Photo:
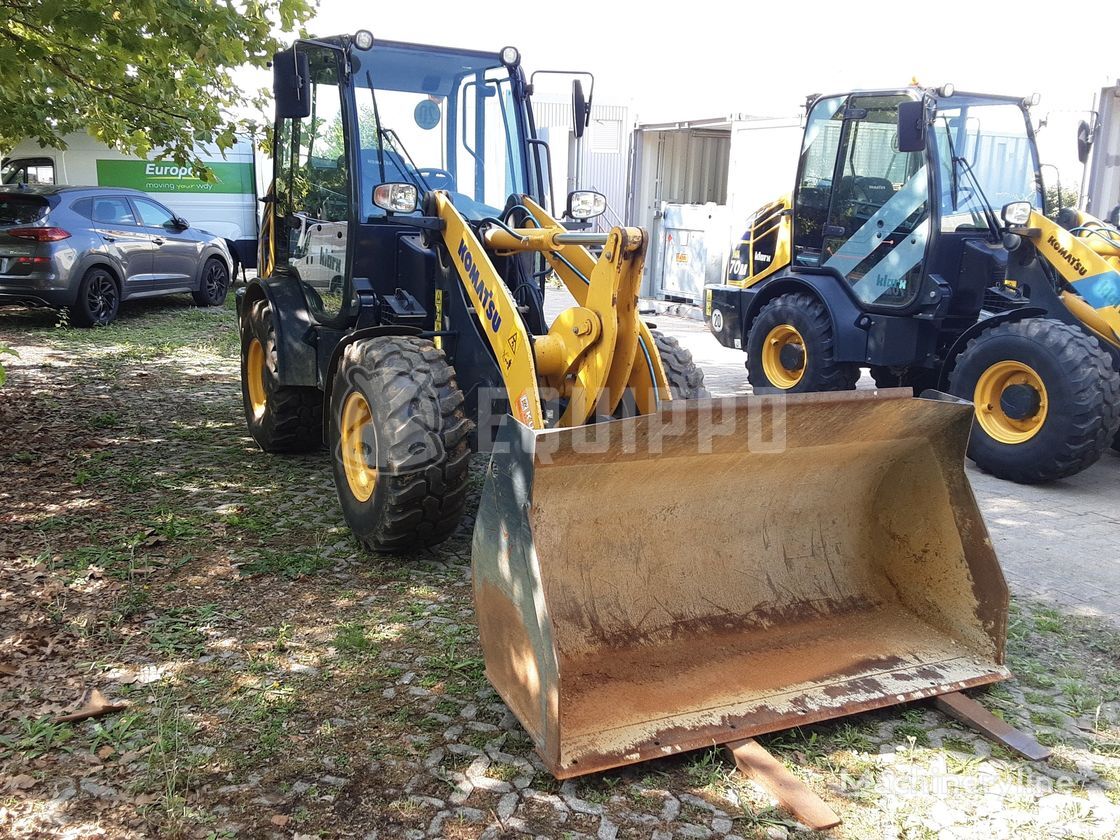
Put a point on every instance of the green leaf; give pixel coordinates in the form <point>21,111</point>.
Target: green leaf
<point>137,75</point>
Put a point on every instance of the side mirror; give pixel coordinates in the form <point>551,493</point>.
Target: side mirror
<point>291,85</point>
<point>1084,141</point>
<point>396,198</point>
<point>912,126</point>
<point>1017,213</point>
<point>179,223</point>
<point>581,108</point>
<point>586,204</point>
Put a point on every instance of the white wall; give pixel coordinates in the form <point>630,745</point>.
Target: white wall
<point>764,155</point>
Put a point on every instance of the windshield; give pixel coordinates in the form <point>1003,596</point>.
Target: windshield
<point>442,120</point>
<point>993,139</point>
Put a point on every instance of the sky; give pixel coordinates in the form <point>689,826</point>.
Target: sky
<point>692,60</point>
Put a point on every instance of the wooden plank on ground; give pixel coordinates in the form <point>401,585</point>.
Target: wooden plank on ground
<point>960,707</point>
<point>754,761</point>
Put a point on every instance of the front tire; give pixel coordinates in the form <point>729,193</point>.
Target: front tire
<point>215,284</point>
<point>1047,399</point>
<point>281,418</point>
<point>686,379</point>
<point>791,348</point>
<point>399,443</point>
<point>98,301</point>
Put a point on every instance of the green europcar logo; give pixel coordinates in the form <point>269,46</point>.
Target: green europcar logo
<point>169,177</point>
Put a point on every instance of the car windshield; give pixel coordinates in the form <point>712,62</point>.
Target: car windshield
<point>992,138</point>
<point>439,119</point>
<point>21,209</point>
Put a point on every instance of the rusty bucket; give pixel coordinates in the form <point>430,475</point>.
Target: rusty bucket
<point>728,568</point>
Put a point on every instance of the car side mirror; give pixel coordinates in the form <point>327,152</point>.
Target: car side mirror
<point>912,126</point>
<point>291,84</point>
<point>179,223</point>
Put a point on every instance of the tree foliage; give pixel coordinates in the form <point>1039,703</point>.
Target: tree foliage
<point>137,74</point>
<point>1059,196</point>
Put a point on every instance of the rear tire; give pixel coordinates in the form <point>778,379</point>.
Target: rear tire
<point>1069,421</point>
<point>215,284</point>
<point>791,348</point>
<point>281,418</point>
<point>686,378</point>
<point>399,443</point>
<point>98,301</point>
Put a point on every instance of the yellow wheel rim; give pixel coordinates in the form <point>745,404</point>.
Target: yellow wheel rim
<point>356,430</point>
<point>991,411</point>
<point>777,373</point>
<point>254,376</point>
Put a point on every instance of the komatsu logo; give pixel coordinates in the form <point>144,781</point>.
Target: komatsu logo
<point>761,257</point>
<point>485,297</point>
<point>1066,255</point>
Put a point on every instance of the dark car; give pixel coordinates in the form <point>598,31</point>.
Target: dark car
<point>90,248</point>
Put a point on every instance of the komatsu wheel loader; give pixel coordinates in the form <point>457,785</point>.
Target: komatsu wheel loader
<point>629,606</point>
<point>892,253</point>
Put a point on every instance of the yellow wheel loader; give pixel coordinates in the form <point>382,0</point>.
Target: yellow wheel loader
<point>892,253</point>
<point>629,604</point>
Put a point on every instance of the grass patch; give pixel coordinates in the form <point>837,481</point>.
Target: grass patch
<point>178,631</point>
<point>352,638</point>
<point>287,564</point>
<point>36,737</point>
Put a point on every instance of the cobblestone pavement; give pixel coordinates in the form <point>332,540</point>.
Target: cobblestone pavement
<point>283,684</point>
<point>1059,543</point>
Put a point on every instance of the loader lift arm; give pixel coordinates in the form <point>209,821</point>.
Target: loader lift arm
<point>588,356</point>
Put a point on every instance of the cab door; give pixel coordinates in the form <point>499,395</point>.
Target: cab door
<point>312,190</point>
<point>878,221</point>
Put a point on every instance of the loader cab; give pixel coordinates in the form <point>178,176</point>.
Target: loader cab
<point>884,214</point>
<point>354,115</point>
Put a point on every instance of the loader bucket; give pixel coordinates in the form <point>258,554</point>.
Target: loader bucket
<point>667,582</point>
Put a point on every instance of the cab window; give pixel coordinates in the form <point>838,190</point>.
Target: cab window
<point>814,187</point>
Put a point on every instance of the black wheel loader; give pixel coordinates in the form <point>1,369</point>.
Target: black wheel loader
<point>914,244</point>
<point>627,606</point>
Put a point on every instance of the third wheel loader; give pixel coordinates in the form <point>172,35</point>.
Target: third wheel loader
<point>914,243</point>
<point>629,605</point>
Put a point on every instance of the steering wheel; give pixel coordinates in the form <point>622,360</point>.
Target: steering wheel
<point>435,176</point>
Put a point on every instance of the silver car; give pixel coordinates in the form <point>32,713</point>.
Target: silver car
<point>90,248</point>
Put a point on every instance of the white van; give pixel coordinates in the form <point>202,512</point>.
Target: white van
<point>226,208</point>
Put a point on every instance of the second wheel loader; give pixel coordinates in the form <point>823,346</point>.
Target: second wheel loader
<point>628,605</point>
<point>914,244</point>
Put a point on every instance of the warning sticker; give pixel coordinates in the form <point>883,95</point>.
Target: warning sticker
<point>524,410</point>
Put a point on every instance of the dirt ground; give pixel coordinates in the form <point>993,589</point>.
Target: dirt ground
<point>277,682</point>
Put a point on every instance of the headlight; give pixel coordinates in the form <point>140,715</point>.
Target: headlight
<point>396,198</point>
<point>510,56</point>
<point>363,39</point>
<point>1017,213</point>
<point>586,204</point>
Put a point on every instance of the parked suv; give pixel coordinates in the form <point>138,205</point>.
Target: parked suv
<point>90,248</point>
